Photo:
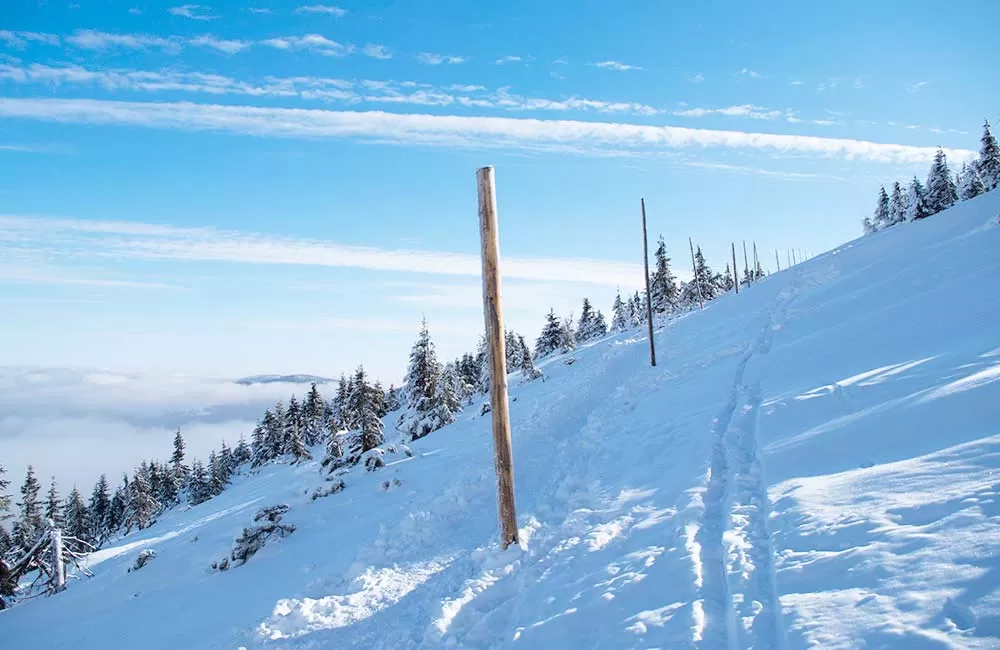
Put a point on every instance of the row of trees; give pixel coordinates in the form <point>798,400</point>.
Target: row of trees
<point>942,189</point>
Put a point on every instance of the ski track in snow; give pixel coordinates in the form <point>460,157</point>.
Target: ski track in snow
<point>740,608</point>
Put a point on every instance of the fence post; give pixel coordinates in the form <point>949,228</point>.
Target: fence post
<point>736,277</point>
<point>649,298</point>
<point>503,455</point>
<point>776,260</point>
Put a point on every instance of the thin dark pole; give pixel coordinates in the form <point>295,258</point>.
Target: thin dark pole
<point>694,271</point>
<point>746,264</point>
<point>649,304</point>
<point>736,279</point>
<point>776,260</point>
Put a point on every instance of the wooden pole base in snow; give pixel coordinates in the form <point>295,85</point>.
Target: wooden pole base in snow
<point>503,455</point>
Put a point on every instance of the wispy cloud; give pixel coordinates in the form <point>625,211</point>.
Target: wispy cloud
<point>858,83</point>
<point>90,39</point>
<point>229,46</point>
<point>917,86</point>
<point>259,10</point>
<point>117,240</point>
<point>561,61</point>
<point>437,59</point>
<point>743,110</point>
<point>697,79</point>
<point>329,10</point>
<point>616,65</point>
<point>21,39</point>
<point>597,138</point>
<point>311,42</point>
<point>508,59</point>
<point>376,51</point>
<point>798,82</point>
<point>194,12</point>
<point>750,74</point>
<point>829,84</point>
<point>135,11</point>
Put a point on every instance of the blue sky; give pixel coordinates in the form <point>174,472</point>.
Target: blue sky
<point>236,188</point>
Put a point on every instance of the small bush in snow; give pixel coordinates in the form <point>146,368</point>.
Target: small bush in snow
<point>253,539</point>
<point>142,559</point>
<point>333,488</point>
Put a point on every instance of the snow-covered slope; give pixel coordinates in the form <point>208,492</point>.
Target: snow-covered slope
<point>813,463</point>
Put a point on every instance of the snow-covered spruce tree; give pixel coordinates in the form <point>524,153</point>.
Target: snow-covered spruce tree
<point>970,183</point>
<point>727,280</point>
<point>866,225</point>
<point>393,401</point>
<point>119,504</point>
<point>916,201</point>
<point>423,413</point>
<point>29,525</point>
<point>638,309</point>
<point>988,164</point>
<point>53,507</point>
<point>600,325</point>
<point>703,277</point>
<point>242,454</point>
<point>293,421</point>
<point>527,366</point>
<point>550,339</point>
<point>334,458</point>
<point>663,285</point>
<point>880,217</point>
<point>511,350</point>
<point>98,511</point>
<point>216,482</point>
<point>567,337</point>
<point>897,205</point>
<point>4,496</point>
<point>76,520</point>
<point>274,427</point>
<point>297,447</point>
<point>261,449</point>
<point>941,191</point>
<point>177,462</point>
<point>142,507</point>
<point>163,485</point>
<point>620,314</point>
<point>585,326</point>
<point>312,417</point>
<point>200,485</point>
<point>367,425</point>
<point>448,399</point>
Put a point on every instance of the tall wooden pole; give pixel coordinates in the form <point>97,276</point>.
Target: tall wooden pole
<point>649,298</point>
<point>736,278</point>
<point>503,455</point>
<point>776,260</point>
<point>694,271</point>
<point>793,257</point>
<point>756,262</point>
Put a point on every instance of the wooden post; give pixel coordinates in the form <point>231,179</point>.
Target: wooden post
<point>503,455</point>
<point>776,260</point>
<point>793,257</point>
<point>756,262</point>
<point>694,271</point>
<point>736,277</point>
<point>649,298</point>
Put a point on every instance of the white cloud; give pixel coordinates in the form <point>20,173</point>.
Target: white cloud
<point>752,74</point>
<point>376,51</point>
<point>797,82</point>
<point>917,86</point>
<point>223,45</point>
<point>259,10</point>
<point>192,11</point>
<point>437,59</point>
<point>329,10</point>
<point>829,84</point>
<point>616,65</point>
<point>698,78</point>
<point>90,39</point>
<point>743,110</point>
<point>858,83</point>
<point>311,42</point>
<point>561,61</point>
<point>507,59</point>
<point>598,138</point>
<point>122,240</point>
<point>135,11</point>
<point>21,39</point>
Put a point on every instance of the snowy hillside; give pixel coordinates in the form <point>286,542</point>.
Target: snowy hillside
<point>812,463</point>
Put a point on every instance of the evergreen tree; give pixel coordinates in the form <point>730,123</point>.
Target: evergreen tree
<point>727,280</point>
<point>897,205</point>
<point>551,337</point>
<point>448,399</point>
<point>163,484</point>
<point>177,462</point>
<point>424,413</point>
<point>988,164</point>
<point>367,426</point>
<point>119,505</point>
<point>941,191</point>
<point>76,520</point>
<point>53,508</point>
<point>98,511</point>
<point>392,399</point>
<point>621,315</point>
<point>4,497</point>
<point>866,224</point>
<point>638,309</point>
<point>142,507</point>
<point>334,457</point>
<point>567,337</point>
<point>242,454</point>
<point>274,427</point>
<point>261,449</point>
<point>512,353</point>
<point>298,448</point>
<point>663,285</point>
<point>527,366</point>
<point>312,417</point>
<point>880,217</point>
<point>600,326</point>
<point>971,183</point>
<point>293,422</point>
<point>703,277</point>
<point>916,202</point>
<point>30,525</point>
<point>200,485</point>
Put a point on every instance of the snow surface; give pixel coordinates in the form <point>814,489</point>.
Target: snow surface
<point>813,463</point>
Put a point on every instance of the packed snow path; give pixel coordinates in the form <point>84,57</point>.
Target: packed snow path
<point>812,464</point>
